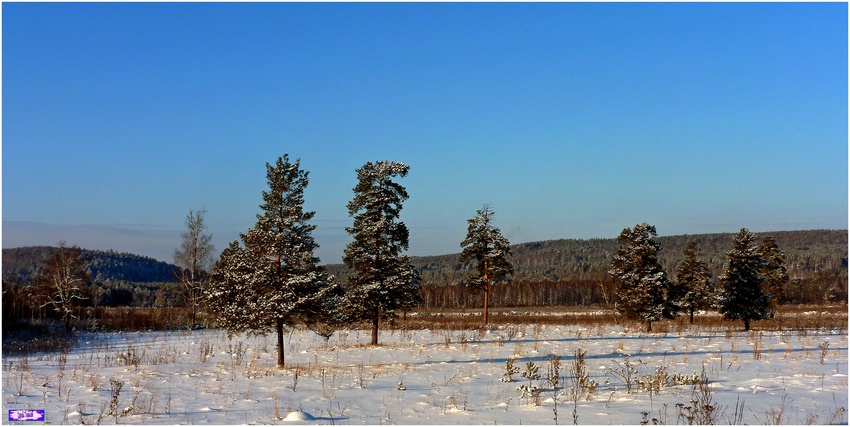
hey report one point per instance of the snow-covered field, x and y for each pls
(439, 377)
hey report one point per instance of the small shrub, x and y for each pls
(530, 392)
(510, 371)
(626, 371)
(701, 410)
(531, 371)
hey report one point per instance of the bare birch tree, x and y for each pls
(194, 258)
(64, 281)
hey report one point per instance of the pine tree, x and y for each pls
(641, 283)
(742, 296)
(229, 295)
(774, 272)
(384, 280)
(694, 280)
(485, 244)
(275, 280)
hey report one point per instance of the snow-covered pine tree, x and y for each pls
(275, 280)
(384, 280)
(230, 291)
(742, 297)
(775, 273)
(485, 244)
(640, 282)
(694, 280)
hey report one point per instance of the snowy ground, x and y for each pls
(447, 377)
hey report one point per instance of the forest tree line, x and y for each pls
(555, 272)
(575, 272)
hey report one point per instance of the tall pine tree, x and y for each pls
(275, 280)
(775, 274)
(694, 280)
(384, 279)
(742, 295)
(485, 244)
(641, 283)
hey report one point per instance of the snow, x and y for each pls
(299, 416)
(430, 377)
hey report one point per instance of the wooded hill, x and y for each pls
(806, 253)
(105, 266)
(575, 272)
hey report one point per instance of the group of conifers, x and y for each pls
(273, 279)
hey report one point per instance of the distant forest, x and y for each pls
(104, 265)
(806, 253)
(118, 279)
(575, 272)
(555, 272)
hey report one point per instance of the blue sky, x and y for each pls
(571, 120)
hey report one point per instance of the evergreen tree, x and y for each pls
(694, 280)
(742, 296)
(641, 283)
(230, 294)
(774, 272)
(275, 280)
(384, 280)
(485, 244)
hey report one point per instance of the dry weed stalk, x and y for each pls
(824, 347)
(626, 371)
(758, 344)
(702, 409)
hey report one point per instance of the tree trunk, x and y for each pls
(692, 316)
(486, 296)
(746, 324)
(649, 326)
(279, 322)
(192, 301)
(486, 305)
(280, 343)
(375, 327)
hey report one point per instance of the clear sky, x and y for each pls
(570, 120)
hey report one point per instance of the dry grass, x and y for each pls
(788, 318)
(799, 319)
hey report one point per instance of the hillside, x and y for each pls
(104, 265)
(807, 253)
